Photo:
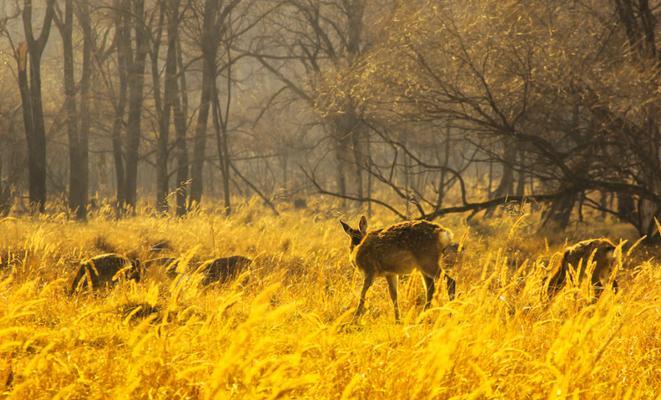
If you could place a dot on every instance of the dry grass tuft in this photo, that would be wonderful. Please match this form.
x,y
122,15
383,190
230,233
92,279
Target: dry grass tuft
x,y
283,332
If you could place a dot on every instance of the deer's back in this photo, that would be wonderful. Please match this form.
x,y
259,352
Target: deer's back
x,y
224,268
603,256
400,248
102,269
106,265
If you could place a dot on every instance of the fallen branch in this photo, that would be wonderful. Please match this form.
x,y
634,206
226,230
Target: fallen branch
x,y
476,207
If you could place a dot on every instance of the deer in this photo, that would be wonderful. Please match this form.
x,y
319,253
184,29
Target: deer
x,y
223,269
105,270
601,252
398,250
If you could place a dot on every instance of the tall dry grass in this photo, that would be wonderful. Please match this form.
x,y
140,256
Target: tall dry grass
x,y
285,333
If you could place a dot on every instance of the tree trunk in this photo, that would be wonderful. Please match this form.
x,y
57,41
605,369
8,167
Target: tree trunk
x,y
446,163
136,79
5,195
199,147
639,22
209,48
357,161
223,155
649,212
123,56
558,215
603,203
66,31
407,178
85,115
340,152
181,154
37,151
625,207
26,103
35,130
179,103
162,105
521,182
369,177
506,185
77,134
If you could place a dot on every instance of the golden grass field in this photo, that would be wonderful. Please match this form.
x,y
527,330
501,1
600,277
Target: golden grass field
x,y
285,331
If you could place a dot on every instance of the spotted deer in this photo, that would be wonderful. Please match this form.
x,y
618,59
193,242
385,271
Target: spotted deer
x,y
397,250
223,269
105,270
602,254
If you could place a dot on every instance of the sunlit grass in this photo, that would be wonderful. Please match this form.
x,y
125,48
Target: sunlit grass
x,y
285,331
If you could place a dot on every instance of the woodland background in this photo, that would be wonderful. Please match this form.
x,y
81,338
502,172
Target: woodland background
x,y
169,104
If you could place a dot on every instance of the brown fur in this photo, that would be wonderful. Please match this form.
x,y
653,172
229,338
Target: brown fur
x,y
105,270
601,251
160,246
399,249
223,269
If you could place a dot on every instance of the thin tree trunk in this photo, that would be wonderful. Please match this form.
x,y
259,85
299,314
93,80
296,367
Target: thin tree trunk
x,y
85,115
369,177
181,153
199,147
179,103
407,184
209,48
123,58
558,215
625,207
38,150
36,134
490,187
506,184
26,102
162,105
340,151
66,31
221,144
77,134
603,203
136,81
446,163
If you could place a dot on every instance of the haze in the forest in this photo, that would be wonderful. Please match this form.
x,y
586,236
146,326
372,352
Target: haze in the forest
x,y
422,107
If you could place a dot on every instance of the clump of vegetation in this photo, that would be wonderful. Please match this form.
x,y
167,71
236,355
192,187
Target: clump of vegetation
x,y
287,331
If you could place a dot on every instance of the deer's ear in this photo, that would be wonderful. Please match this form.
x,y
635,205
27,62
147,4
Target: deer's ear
x,y
363,225
346,227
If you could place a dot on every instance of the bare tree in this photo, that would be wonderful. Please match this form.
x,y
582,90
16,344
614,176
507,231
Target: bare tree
x,y
78,122
29,54
136,57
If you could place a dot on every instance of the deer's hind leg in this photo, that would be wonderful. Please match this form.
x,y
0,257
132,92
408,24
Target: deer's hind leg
x,y
392,289
556,282
430,286
452,285
430,270
367,282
